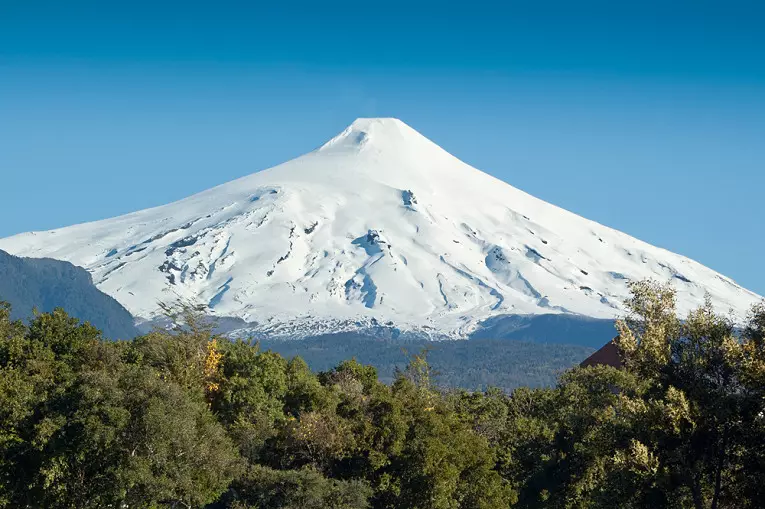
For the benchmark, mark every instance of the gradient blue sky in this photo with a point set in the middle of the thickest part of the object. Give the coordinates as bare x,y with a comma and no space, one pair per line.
645,116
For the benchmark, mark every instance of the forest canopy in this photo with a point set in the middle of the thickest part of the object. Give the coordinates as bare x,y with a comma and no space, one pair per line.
185,418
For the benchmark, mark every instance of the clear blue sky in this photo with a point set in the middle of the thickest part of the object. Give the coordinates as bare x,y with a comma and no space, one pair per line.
645,116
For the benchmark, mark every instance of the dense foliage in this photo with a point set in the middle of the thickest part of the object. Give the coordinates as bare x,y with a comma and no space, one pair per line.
184,418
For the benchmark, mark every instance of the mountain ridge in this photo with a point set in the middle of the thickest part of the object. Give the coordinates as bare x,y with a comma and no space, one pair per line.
45,284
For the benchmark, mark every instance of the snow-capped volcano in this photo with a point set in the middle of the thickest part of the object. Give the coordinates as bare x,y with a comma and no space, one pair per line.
377,226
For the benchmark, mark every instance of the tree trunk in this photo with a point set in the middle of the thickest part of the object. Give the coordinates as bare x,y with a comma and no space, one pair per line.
719,468
698,501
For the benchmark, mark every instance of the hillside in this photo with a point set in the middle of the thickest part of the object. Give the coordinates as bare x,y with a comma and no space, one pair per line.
46,284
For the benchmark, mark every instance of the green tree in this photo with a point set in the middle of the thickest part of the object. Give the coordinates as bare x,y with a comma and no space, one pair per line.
251,395
677,427
266,488
83,429
443,462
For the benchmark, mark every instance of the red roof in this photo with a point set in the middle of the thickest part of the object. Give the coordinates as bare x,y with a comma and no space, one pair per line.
607,355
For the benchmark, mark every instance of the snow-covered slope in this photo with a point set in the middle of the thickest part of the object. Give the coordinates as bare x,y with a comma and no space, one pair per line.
377,226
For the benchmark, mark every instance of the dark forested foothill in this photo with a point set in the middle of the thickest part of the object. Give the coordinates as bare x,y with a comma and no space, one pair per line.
45,284
474,364
183,418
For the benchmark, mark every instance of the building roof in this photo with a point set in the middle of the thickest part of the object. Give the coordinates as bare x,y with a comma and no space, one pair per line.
607,355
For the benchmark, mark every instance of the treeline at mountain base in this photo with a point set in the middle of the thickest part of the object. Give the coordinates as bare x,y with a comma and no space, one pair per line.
474,364
184,419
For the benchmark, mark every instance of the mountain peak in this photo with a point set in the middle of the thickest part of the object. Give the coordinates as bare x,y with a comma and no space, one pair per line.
380,131
365,122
